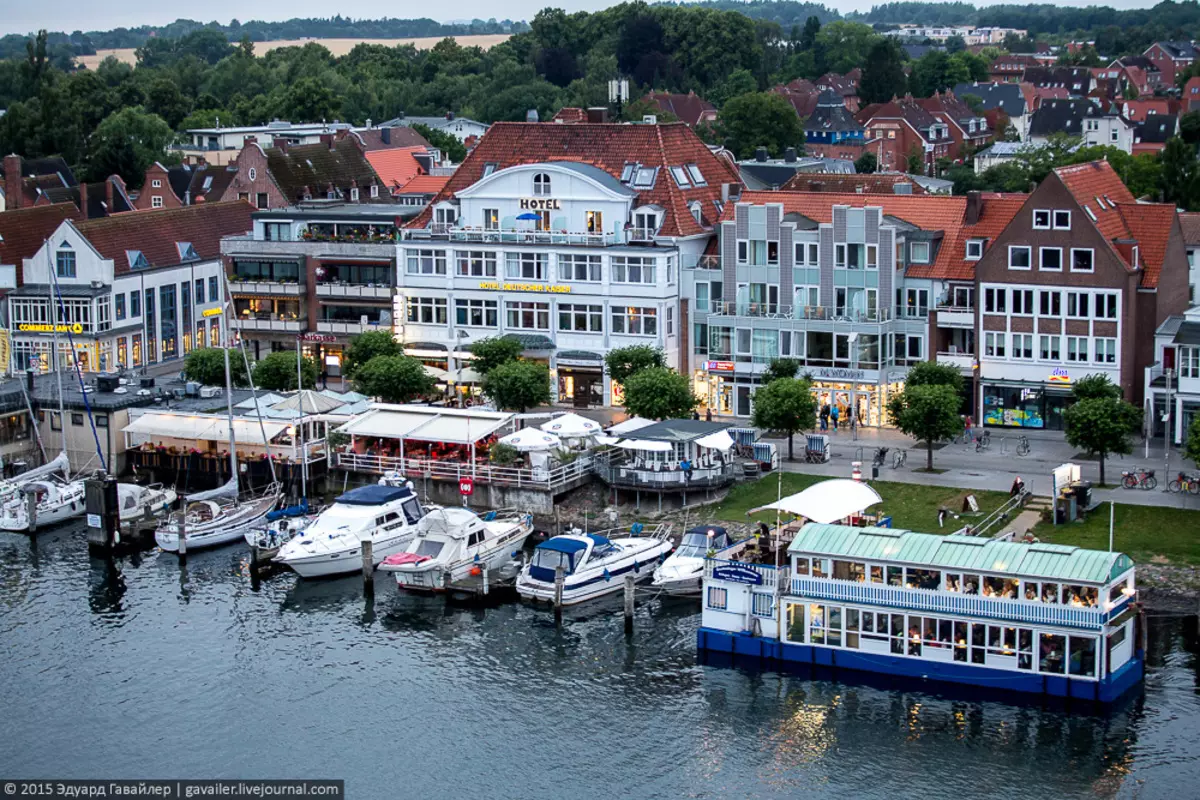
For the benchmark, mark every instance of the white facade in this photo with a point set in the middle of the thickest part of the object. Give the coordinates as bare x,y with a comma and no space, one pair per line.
136,319
460,128
219,146
1110,130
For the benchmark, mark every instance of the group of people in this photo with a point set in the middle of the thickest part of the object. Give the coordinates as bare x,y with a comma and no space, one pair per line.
831,415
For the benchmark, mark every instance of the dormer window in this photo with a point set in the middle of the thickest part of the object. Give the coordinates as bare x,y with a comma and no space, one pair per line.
374,190
353,194
187,252
136,259
974,249
696,213
627,172
644,177
541,185
490,167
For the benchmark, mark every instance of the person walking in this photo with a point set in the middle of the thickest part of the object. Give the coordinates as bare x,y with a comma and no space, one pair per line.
824,418
708,415
833,417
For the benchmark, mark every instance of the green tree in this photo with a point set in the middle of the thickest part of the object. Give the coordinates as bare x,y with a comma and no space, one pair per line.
808,37
1180,174
659,393
842,46
955,44
309,100
625,361
883,73
915,162
494,351
928,413
759,119
1102,425
126,143
1093,387
866,163
206,365
931,373
277,371
780,368
165,99
786,405
1189,127
451,147
1191,445
518,385
365,346
740,81
393,378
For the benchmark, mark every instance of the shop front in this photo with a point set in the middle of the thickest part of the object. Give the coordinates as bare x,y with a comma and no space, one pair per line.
723,390
580,378
855,393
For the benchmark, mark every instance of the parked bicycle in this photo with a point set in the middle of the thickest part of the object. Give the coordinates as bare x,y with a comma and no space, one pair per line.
1185,483
983,441
1139,478
1022,445
880,457
899,459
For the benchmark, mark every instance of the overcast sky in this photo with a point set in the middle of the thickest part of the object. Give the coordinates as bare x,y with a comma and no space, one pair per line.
23,16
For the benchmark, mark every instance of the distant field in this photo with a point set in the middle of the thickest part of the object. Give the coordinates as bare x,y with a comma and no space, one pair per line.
339,47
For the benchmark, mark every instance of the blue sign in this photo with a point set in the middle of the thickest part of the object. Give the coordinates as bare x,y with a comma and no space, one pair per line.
735,573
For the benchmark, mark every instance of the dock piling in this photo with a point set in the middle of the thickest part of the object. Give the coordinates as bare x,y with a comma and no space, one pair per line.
183,531
485,581
630,586
560,578
368,567
31,510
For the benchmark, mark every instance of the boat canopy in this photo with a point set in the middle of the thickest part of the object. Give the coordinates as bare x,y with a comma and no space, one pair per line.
720,536
374,495
453,522
566,544
227,491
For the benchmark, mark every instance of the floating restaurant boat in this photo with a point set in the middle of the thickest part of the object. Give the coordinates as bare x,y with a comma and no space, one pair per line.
594,564
681,573
1042,618
457,541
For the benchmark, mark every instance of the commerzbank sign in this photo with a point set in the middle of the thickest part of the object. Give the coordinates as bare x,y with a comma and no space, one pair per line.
37,327
525,287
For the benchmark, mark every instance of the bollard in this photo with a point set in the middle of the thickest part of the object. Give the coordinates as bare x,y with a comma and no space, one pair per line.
560,578
183,533
485,581
368,564
31,510
629,590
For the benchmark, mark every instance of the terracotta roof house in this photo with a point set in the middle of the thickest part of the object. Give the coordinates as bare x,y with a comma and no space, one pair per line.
688,108
902,126
1137,110
968,129
831,131
875,183
336,168
1171,58
371,139
804,102
570,115
1191,95
24,180
1011,68
182,185
845,85
24,230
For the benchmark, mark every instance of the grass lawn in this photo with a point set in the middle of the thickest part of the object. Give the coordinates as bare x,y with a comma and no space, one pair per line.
910,506
1147,534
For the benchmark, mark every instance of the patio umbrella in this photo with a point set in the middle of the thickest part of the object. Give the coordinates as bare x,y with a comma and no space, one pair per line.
720,440
464,375
531,439
571,426
529,216
607,439
436,373
827,501
645,444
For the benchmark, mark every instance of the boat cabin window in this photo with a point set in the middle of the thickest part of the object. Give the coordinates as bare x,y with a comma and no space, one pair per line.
1080,596
695,545
849,571
412,511
802,566
1025,649
1049,592
825,625
429,547
1030,591
876,574
852,615
970,584
551,559
1081,657
1051,653
820,567
1002,641
924,579
953,581
1118,591
895,576
1004,588
475,538
960,641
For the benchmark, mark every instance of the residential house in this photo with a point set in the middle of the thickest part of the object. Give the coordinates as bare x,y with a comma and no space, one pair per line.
1151,135
570,116
182,185
844,85
764,172
1137,110
902,127
22,234
1153,77
1189,221
968,128
1190,98
1171,58
334,169
410,173
874,183
461,128
1010,68
688,108
25,181
373,138
998,153
220,145
1077,81
1081,118
1172,382
1005,97
831,131
803,101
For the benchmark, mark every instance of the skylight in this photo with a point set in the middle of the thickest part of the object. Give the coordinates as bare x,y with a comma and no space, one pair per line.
696,174
681,177
187,252
1090,213
627,173
645,177
489,168
136,259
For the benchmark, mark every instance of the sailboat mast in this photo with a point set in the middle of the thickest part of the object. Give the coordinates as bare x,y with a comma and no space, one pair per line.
55,311
233,462
300,426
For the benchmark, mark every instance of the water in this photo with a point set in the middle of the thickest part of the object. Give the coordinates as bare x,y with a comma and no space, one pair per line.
148,670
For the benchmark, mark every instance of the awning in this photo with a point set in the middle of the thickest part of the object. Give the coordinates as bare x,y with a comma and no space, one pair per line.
720,440
531,439
645,444
426,424
629,426
436,373
245,431
571,426
827,501
209,429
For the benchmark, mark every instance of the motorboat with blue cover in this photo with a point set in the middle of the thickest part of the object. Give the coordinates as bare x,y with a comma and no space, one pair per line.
683,570
594,564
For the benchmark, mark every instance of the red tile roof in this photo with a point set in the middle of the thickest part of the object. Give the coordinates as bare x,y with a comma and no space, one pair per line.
607,146
400,136
1188,220
877,183
689,108
395,167
22,232
156,233
570,116
1136,110
804,102
1095,179
995,213
1150,224
425,184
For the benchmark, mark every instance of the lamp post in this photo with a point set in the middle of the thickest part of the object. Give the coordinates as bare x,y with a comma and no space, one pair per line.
1168,374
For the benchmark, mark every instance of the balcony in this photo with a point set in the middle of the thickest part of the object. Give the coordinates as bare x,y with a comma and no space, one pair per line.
264,288
555,479
355,291
250,247
658,477
964,361
955,317
939,602
642,234
268,324
513,236
350,328
779,311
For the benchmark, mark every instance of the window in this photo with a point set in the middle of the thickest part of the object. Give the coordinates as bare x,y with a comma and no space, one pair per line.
526,266
120,306
445,217
702,296
1052,651
374,190
353,195
575,267
156,183
200,291
919,252
580,318
426,262
475,264
1077,348
1041,219
839,255
427,310
1022,346
697,213
974,249
916,302
595,222
670,320
527,315
1082,259
1022,302
633,269
696,175
476,313
252,173
156,201
214,296
491,219
995,301
1048,349
1050,304
1105,351
541,185
681,177
55,421
263,200
718,598
762,604
644,177
277,232
908,348
1077,304
1081,656
1050,259
993,345
627,172
1114,134
1062,220
1189,362
1018,257
1106,306
64,263
635,321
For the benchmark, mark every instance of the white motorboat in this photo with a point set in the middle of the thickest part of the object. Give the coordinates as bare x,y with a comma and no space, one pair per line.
11,487
57,501
594,564
682,571
280,527
457,541
135,500
332,545
215,518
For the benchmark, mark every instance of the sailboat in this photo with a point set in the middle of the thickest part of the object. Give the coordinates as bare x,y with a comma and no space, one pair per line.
220,515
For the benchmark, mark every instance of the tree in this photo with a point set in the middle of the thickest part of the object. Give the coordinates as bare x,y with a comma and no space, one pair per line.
1191,445
518,385
165,99
1101,425
883,73
1189,127
277,371
928,413
393,378
915,162
808,37
759,119
780,368
866,163
451,147
493,352
365,346
126,143
1180,174
739,82
955,44
659,393
786,405
206,365
931,373
309,100
1092,387
625,361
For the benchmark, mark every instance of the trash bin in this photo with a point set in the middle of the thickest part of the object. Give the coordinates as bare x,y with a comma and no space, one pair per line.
1083,494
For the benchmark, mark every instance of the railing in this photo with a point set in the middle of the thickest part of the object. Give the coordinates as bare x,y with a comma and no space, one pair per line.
551,479
703,262
513,236
947,603
956,359
957,317
630,475
354,290
779,311
770,575
268,324
997,517
237,286
350,328
641,234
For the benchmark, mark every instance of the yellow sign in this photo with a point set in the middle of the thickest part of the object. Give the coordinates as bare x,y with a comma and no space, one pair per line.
5,347
29,327
525,287
211,312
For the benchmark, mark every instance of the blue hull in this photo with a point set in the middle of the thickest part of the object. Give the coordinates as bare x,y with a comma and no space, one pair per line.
771,650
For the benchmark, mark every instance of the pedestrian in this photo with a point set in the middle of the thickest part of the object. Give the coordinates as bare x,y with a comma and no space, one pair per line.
824,418
942,512
833,418
967,427
696,415
708,415
686,466
1018,486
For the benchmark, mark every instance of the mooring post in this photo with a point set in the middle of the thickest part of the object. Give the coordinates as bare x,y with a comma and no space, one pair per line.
183,531
368,564
31,510
485,581
630,587
560,578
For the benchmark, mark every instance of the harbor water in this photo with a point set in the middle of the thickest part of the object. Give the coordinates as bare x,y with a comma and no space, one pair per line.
141,668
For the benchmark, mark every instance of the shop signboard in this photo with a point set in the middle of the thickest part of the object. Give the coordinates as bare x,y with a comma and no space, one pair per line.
718,366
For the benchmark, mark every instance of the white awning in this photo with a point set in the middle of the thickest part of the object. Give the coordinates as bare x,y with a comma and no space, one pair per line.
629,426
607,439
436,373
571,426
827,501
531,439
720,440
245,431
645,444
426,424
172,426
456,430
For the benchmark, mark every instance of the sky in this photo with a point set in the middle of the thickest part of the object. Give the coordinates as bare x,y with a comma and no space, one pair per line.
23,16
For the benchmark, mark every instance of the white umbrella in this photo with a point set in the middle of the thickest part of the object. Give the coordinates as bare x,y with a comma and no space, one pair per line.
645,444
629,426
827,501
436,373
571,426
532,439
464,375
607,439
721,440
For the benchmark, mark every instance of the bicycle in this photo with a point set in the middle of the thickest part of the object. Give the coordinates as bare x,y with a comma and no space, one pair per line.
899,459
880,457
1185,483
983,441
1023,445
1139,478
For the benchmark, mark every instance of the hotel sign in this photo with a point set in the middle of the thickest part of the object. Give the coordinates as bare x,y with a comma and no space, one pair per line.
525,287
538,204
718,366
30,327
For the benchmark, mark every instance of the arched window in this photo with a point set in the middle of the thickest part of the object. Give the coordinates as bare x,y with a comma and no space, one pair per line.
541,185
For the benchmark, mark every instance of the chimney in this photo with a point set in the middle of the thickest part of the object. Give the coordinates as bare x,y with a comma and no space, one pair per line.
108,195
385,135
974,207
760,154
724,193
789,155
327,140
369,125
83,200
12,182
597,114
532,115
280,143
